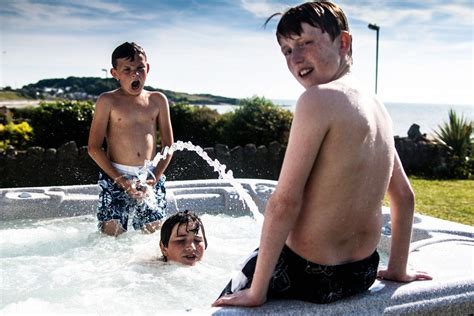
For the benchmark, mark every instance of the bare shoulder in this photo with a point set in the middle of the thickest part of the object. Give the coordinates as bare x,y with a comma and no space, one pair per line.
158,98
319,100
106,98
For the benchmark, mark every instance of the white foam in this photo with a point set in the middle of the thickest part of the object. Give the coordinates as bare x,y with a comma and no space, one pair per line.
65,266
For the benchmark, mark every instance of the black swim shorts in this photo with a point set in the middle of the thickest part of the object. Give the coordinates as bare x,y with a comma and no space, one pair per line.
297,278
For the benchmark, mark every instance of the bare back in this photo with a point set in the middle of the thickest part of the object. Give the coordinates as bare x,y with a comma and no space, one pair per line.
340,217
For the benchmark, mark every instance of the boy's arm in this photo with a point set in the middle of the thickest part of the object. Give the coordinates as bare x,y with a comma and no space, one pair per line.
97,135
166,134
283,208
402,208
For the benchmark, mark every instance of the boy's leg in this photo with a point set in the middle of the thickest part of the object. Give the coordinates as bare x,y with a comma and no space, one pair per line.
242,278
112,227
112,209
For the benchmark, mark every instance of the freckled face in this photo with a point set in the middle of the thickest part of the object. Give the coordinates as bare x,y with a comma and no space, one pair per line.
131,74
312,57
184,246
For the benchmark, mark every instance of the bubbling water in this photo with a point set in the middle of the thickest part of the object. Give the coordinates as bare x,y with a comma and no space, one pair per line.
64,266
218,167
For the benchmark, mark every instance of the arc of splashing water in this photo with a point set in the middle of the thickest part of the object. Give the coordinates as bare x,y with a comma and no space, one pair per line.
218,167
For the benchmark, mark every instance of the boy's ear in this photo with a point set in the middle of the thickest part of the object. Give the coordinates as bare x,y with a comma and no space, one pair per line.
346,42
113,72
147,67
164,250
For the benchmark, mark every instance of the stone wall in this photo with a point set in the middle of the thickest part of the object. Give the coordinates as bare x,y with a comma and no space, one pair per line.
69,165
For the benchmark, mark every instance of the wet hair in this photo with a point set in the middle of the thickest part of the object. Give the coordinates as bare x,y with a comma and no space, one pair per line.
126,50
187,218
325,15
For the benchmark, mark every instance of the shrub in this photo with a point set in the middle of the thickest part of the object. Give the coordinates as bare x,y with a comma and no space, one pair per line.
17,135
196,124
457,135
257,120
59,122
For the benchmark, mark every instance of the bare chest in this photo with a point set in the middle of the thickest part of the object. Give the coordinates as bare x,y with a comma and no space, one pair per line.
134,113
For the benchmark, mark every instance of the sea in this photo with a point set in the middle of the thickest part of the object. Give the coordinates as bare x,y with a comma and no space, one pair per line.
428,116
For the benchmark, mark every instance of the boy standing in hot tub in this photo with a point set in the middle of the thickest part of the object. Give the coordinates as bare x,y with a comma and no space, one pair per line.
128,119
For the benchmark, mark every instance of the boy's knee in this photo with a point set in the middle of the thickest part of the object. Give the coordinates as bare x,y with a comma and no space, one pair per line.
112,227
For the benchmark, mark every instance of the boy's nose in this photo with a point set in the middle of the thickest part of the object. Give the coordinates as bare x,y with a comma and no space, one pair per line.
191,246
296,56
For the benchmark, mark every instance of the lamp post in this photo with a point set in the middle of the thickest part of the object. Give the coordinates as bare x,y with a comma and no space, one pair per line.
105,70
376,28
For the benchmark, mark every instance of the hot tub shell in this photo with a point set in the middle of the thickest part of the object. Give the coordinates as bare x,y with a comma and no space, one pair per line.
444,249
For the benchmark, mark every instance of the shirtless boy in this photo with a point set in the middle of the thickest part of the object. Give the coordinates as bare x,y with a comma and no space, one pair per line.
322,224
128,119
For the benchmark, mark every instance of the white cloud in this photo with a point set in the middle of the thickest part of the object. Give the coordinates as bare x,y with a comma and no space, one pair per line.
459,13
218,60
200,55
69,16
103,6
386,16
261,8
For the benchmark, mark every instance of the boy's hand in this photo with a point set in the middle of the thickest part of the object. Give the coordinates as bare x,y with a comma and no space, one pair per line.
408,276
240,298
151,182
130,187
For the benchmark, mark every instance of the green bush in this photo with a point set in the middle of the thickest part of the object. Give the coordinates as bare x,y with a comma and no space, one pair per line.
257,120
59,122
17,135
196,124
457,135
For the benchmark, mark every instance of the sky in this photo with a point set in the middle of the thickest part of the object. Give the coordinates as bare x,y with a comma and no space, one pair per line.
221,47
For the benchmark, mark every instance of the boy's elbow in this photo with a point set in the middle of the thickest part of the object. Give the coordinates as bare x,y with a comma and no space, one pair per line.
408,199
284,203
404,198
91,150
407,194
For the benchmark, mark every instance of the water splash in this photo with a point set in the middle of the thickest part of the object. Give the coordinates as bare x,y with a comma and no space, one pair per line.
218,167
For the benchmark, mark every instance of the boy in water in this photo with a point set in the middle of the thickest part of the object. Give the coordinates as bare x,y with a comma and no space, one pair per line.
183,238
128,119
322,224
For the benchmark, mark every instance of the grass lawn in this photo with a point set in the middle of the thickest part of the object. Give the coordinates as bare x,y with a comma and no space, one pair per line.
10,96
452,200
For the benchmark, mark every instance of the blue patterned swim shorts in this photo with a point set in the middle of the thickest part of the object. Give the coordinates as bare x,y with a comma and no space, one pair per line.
115,204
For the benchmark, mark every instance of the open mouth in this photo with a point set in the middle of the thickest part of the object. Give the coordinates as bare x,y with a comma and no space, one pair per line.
135,84
190,257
